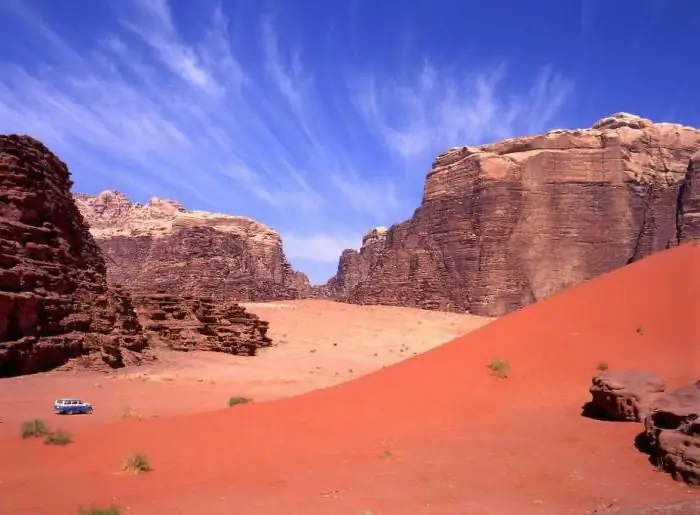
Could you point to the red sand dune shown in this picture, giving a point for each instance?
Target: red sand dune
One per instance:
(433, 434)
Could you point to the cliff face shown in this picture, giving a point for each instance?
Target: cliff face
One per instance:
(54, 301)
(506, 224)
(162, 247)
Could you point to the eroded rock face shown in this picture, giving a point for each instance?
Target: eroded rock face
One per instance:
(161, 246)
(353, 266)
(54, 300)
(673, 431)
(504, 225)
(689, 205)
(193, 323)
(625, 395)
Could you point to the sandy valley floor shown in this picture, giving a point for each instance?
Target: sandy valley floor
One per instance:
(436, 434)
(319, 343)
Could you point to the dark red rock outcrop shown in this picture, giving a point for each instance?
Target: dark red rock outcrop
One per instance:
(689, 203)
(54, 300)
(672, 429)
(506, 224)
(625, 395)
(191, 323)
(161, 246)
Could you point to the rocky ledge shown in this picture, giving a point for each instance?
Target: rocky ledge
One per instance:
(193, 323)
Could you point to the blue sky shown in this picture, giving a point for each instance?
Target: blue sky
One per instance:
(321, 118)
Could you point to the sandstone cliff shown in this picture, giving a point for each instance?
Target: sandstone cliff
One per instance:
(506, 224)
(191, 323)
(54, 300)
(161, 246)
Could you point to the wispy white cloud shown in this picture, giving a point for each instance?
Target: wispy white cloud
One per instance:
(254, 123)
(435, 108)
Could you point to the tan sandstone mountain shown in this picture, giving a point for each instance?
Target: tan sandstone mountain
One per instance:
(506, 224)
(162, 247)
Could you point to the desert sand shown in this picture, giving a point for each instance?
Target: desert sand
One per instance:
(318, 343)
(435, 433)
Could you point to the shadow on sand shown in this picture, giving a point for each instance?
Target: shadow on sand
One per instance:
(595, 412)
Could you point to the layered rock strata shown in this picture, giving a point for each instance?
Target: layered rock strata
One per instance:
(54, 301)
(191, 323)
(161, 246)
(506, 224)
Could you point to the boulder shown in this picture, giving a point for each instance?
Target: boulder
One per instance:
(672, 428)
(625, 395)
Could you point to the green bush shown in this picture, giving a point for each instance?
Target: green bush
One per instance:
(500, 368)
(235, 401)
(34, 428)
(111, 510)
(137, 463)
(59, 437)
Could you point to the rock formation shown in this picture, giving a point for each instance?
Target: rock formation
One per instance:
(189, 323)
(54, 299)
(351, 270)
(506, 224)
(161, 246)
(673, 432)
(625, 395)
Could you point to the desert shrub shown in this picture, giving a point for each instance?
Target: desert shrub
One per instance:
(84, 361)
(128, 412)
(235, 401)
(500, 368)
(137, 463)
(110, 510)
(34, 428)
(59, 437)
(602, 366)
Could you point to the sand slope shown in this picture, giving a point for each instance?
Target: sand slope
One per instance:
(433, 434)
(318, 343)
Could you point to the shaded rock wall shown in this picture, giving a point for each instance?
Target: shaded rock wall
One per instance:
(54, 299)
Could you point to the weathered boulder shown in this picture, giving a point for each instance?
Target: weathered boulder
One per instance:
(161, 246)
(503, 225)
(54, 300)
(672, 429)
(195, 323)
(625, 395)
